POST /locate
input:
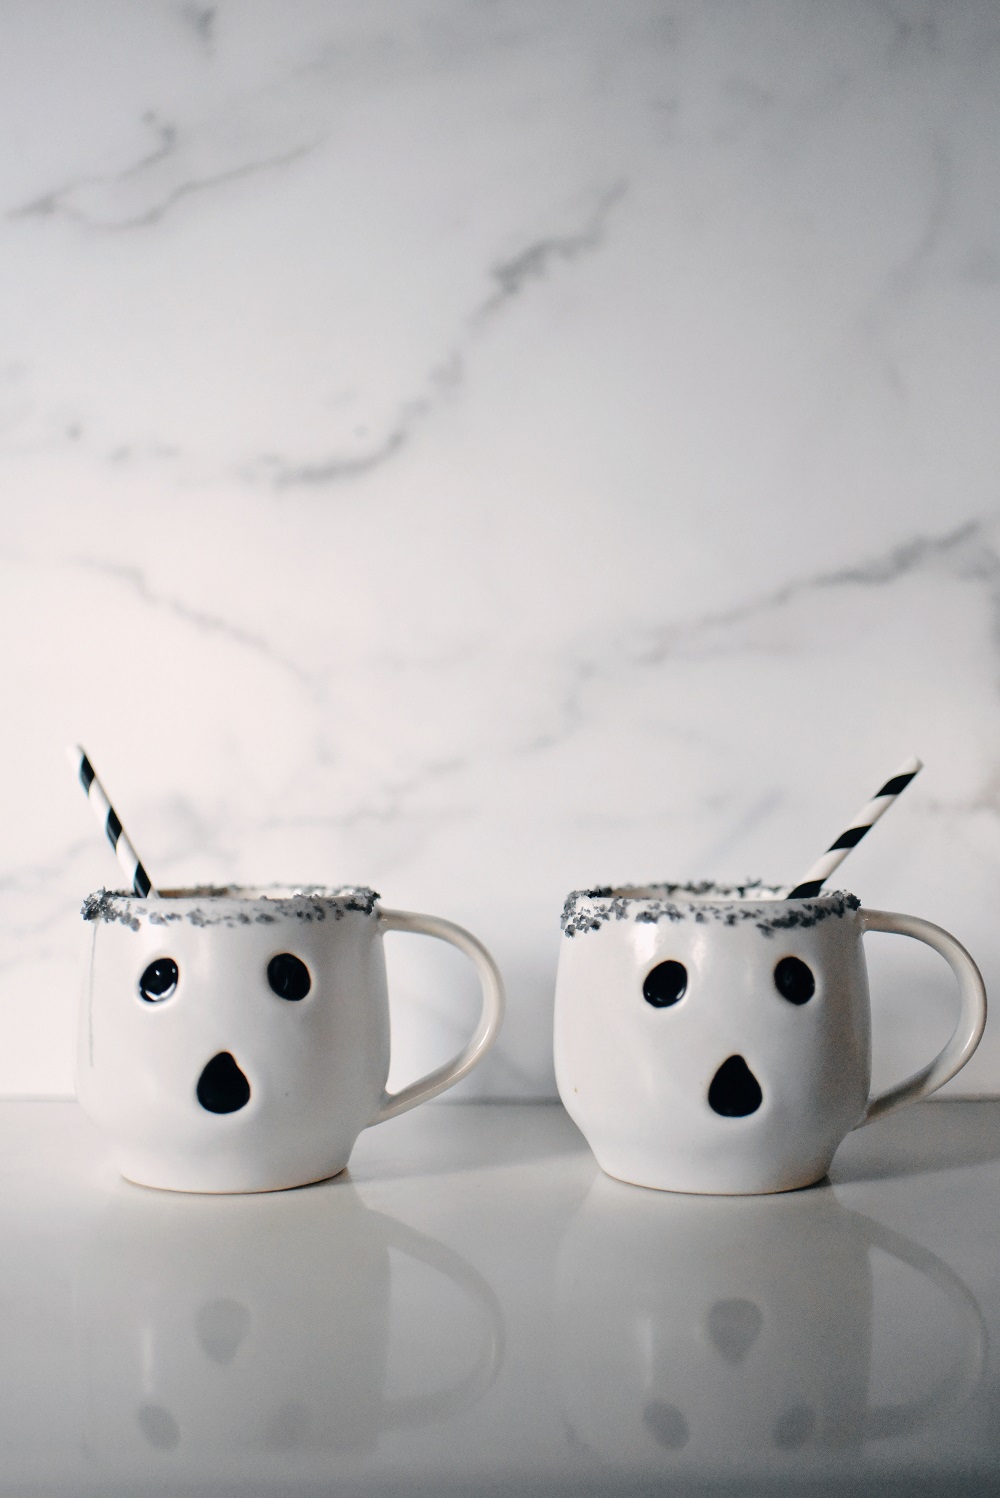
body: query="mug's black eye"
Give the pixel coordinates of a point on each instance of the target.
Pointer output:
(159, 980)
(666, 984)
(288, 976)
(794, 981)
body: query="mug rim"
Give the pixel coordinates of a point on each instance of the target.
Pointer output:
(210, 905)
(701, 901)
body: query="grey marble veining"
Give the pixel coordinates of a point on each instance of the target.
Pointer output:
(483, 451)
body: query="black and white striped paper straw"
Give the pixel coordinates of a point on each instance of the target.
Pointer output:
(111, 822)
(866, 818)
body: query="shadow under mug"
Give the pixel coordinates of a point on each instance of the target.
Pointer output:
(238, 1040)
(718, 1040)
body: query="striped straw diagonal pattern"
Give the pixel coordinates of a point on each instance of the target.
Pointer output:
(866, 818)
(109, 819)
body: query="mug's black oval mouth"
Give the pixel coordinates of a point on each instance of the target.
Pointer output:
(222, 1087)
(735, 1091)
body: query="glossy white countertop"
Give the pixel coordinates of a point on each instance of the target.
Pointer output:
(475, 1309)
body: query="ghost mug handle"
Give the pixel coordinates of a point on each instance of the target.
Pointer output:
(490, 1015)
(971, 1019)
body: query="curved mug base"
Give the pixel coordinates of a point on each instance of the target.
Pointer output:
(165, 1180)
(723, 1185)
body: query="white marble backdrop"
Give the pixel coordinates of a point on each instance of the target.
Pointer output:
(481, 449)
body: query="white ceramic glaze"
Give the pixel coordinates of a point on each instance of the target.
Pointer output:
(640, 1081)
(315, 1068)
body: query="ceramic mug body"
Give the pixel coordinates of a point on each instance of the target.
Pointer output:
(239, 1040)
(717, 1040)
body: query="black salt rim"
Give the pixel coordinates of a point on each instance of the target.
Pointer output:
(231, 905)
(590, 909)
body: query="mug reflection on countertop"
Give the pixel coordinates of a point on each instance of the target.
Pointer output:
(231, 1335)
(696, 1332)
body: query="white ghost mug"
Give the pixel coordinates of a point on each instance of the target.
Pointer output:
(238, 1040)
(718, 1040)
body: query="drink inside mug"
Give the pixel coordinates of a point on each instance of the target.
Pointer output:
(237, 1038)
(717, 1038)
